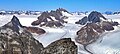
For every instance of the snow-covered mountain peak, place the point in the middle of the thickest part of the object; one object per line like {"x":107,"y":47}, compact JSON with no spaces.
{"x":64,"y":12}
{"x":51,"y":19}
{"x":93,"y":17}
{"x":94,"y":26}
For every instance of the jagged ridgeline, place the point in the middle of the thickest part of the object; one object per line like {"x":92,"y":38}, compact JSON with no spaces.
{"x":17,"y":39}
{"x":93,"y":17}
{"x":52,"y":18}
{"x":93,"y":27}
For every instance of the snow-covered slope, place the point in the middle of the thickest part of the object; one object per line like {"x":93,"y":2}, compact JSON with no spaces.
{"x":110,"y":41}
{"x":107,"y":44}
{"x":66,"y":14}
{"x":5,"y":19}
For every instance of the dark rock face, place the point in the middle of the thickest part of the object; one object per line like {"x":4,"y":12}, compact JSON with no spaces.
{"x":93,"y":17}
{"x":34,"y":23}
{"x":15,"y":39}
{"x":56,"y":14}
{"x":44,"y":15}
{"x":47,"y":20}
{"x":54,"y":17}
{"x":22,"y":41}
{"x":36,"y":30}
{"x":53,"y":23}
{"x":61,"y":9}
{"x":114,"y":23}
{"x":14,"y":24}
{"x":92,"y":31}
{"x":97,"y":27}
{"x":88,"y":34}
{"x":82,"y":21}
{"x":16,"y":21}
{"x":62,"y":46}
{"x":107,"y":26}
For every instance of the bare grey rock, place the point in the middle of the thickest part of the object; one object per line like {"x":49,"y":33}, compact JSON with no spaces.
{"x":62,"y":46}
{"x":93,"y":17}
{"x":16,"y":39}
{"x":51,"y":18}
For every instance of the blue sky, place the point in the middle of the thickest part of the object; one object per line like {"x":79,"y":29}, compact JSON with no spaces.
{"x":71,"y":5}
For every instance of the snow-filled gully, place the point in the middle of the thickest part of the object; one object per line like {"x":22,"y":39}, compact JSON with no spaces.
{"x":109,"y":41}
{"x":50,"y":37}
{"x":106,"y":43}
{"x":53,"y":34}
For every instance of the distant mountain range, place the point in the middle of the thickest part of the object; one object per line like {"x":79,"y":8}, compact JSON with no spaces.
{"x":21,"y":12}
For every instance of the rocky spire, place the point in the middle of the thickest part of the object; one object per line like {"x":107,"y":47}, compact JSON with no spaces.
{"x":14,"y":24}
{"x":93,"y":17}
{"x":16,"y":21}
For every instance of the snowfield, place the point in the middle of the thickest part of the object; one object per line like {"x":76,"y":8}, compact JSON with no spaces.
{"x":109,"y":43}
{"x":5,"y":19}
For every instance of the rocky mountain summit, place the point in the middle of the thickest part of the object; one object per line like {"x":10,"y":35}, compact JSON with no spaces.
{"x":62,"y":46}
{"x":51,"y":19}
{"x":14,"y":24}
{"x":93,"y":28}
{"x":17,"y":39}
{"x":93,"y":17}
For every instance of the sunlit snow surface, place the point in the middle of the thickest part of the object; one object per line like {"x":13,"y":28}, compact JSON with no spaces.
{"x":109,"y":43}
{"x":4,"y":19}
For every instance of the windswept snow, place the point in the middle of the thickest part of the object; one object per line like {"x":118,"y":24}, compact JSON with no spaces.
{"x":53,"y":18}
{"x":52,"y":35}
{"x":66,"y":14}
{"x":5,"y":19}
{"x":26,"y":20}
{"x":107,"y":44}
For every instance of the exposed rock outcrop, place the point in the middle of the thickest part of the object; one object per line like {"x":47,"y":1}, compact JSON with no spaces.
{"x":107,"y":26}
{"x":51,"y":18}
{"x":61,"y":9}
{"x":62,"y":46}
{"x":93,"y":28}
{"x":93,"y":17}
{"x":82,"y":21}
{"x":53,"y":24}
{"x":89,"y":33}
{"x":35,"y":30}
{"x":14,"y":24}
{"x":15,"y":39}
